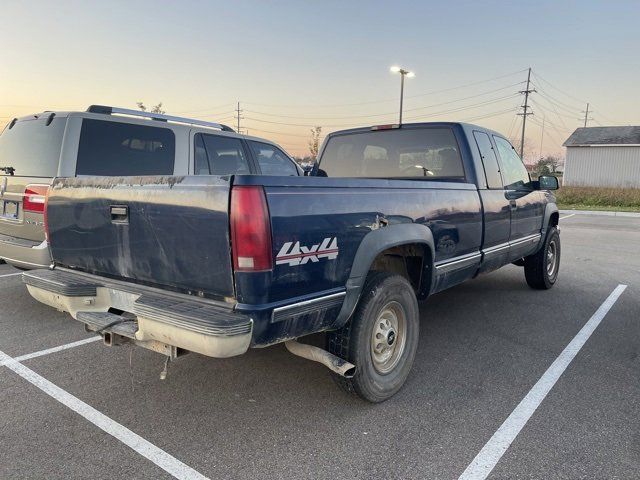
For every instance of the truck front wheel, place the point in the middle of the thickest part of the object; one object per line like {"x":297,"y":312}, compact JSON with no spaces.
{"x":380,"y":339}
{"x":541,"y":268}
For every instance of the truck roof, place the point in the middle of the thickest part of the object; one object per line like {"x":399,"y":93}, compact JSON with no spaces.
{"x":465,"y":126}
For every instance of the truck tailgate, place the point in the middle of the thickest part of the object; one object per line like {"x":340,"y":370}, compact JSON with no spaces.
{"x":170,"y":232}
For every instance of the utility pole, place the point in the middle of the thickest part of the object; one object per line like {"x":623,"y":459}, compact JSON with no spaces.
{"x":238,"y":116}
{"x":525,"y":111}
{"x":542,"y":136}
{"x":586,"y":116}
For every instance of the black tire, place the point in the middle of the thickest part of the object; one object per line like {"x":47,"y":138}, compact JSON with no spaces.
{"x":539,"y":272}
{"x":384,"y":296}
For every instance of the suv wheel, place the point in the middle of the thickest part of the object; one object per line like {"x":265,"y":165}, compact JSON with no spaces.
{"x":380,"y":339}
{"x":541,"y":269}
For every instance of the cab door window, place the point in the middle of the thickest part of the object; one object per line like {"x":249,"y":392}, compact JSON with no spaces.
{"x":514,"y":173}
{"x":272,"y":160}
{"x":489,"y":160}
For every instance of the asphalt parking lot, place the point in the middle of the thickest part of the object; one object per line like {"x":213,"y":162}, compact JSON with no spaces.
{"x":484,"y":346}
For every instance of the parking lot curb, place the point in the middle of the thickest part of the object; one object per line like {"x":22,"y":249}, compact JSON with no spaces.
{"x":603,"y":212}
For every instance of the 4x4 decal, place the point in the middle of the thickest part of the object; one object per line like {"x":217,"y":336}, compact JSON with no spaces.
{"x":296,"y":254}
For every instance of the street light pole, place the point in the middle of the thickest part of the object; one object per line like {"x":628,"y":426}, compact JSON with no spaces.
{"x":401,"y":96}
{"x":403,"y":73}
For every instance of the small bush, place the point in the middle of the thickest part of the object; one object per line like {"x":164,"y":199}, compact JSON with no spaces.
{"x":584,"y":197}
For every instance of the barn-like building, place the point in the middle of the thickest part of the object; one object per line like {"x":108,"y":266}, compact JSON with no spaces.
{"x":603,"y":157}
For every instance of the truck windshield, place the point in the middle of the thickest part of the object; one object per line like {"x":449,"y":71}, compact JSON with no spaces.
{"x":429,"y":153}
{"x":32,"y":147}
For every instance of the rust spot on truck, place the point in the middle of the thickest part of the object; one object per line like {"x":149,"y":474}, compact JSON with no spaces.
{"x":116,"y":182}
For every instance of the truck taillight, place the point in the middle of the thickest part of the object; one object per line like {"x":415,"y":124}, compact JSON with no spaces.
{"x":34,"y":198}
{"x":250,"y":230}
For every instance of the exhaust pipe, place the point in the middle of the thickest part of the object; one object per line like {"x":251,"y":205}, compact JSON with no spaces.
{"x":336,"y":364}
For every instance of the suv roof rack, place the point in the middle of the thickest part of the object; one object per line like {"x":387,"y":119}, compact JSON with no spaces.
{"x":156,"y":116}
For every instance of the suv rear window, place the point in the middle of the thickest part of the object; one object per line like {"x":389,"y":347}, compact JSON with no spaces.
{"x":429,"y":153}
{"x":124,"y":149}
{"x":32,"y":147}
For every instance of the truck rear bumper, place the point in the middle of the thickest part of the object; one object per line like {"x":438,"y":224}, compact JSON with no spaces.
{"x":155,"y":317}
{"x":24,"y":253}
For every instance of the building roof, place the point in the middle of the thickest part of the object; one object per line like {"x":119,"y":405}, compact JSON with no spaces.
{"x":604,"y":136}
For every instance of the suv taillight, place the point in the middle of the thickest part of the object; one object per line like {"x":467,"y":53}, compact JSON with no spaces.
{"x":46,"y":217}
{"x":34,"y":198}
{"x":250,"y":230}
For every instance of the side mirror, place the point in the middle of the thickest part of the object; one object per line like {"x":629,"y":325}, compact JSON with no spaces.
{"x":307,"y":168}
{"x":548,"y":182}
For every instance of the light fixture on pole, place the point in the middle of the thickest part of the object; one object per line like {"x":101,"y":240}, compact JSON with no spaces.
{"x":403,"y":73}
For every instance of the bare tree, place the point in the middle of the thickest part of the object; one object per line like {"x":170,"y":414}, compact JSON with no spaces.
{"x":155,"y":109}
{"x":553,"y":162}
{"x":314,"y":142}
{"x":547,"y":165}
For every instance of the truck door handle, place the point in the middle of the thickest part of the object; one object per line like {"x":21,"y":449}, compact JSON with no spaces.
{"x":513,"y":205}
{"x":119,"y":214}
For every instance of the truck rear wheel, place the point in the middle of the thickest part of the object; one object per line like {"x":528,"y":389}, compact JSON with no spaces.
{"x":380,"y":339}
{"x":541,"y":268}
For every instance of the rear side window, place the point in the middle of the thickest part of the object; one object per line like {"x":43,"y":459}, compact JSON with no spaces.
{"x":429,"y":153}
{"x":513,"y":170}
{"x":32,"y":147}
{"x":272,"y":160}
{"x":489,"y":160}
{"x":219,"y":155}
{"x":123,"y":149}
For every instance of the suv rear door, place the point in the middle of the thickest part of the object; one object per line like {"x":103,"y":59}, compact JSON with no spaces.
{"x":31,"y":147}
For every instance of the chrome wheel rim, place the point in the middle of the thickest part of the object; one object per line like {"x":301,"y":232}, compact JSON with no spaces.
{"x":388,"y":338}
{"x":552,"y":256}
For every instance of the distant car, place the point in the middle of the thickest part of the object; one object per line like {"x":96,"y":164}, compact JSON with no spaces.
{"x":218,"y":264}
{"x":107,"y":141}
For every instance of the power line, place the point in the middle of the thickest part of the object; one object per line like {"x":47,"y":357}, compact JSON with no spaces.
{"x":386,"y":113}
{"x":560,"y":116}
{"x":538,"y":77}
{"x":208,"y":109}
{"x":279,"y":133}
{"x":488,"y":115}
{"x":488,"y":102}
{"x":468,"y":107}
{"x":553,"y":137}
{"x":563,"y":127}
{"x":558,"y":103}
{"x":433,"y":92}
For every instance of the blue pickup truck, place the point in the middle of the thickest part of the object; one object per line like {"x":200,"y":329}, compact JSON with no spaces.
{"x":218,"y":264}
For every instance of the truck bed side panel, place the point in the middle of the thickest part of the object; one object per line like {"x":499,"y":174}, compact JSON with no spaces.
{"x":338,"y":216}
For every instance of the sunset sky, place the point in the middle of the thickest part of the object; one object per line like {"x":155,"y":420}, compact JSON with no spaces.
{"x":294,"y":65}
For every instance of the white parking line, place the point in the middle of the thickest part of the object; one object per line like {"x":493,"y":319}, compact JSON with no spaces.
{"x":486,"y":460}
{"x":134,"y":441}
{"x":11,"y":274}
{"x":59,"y":348}
{"x":567,"y":216}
